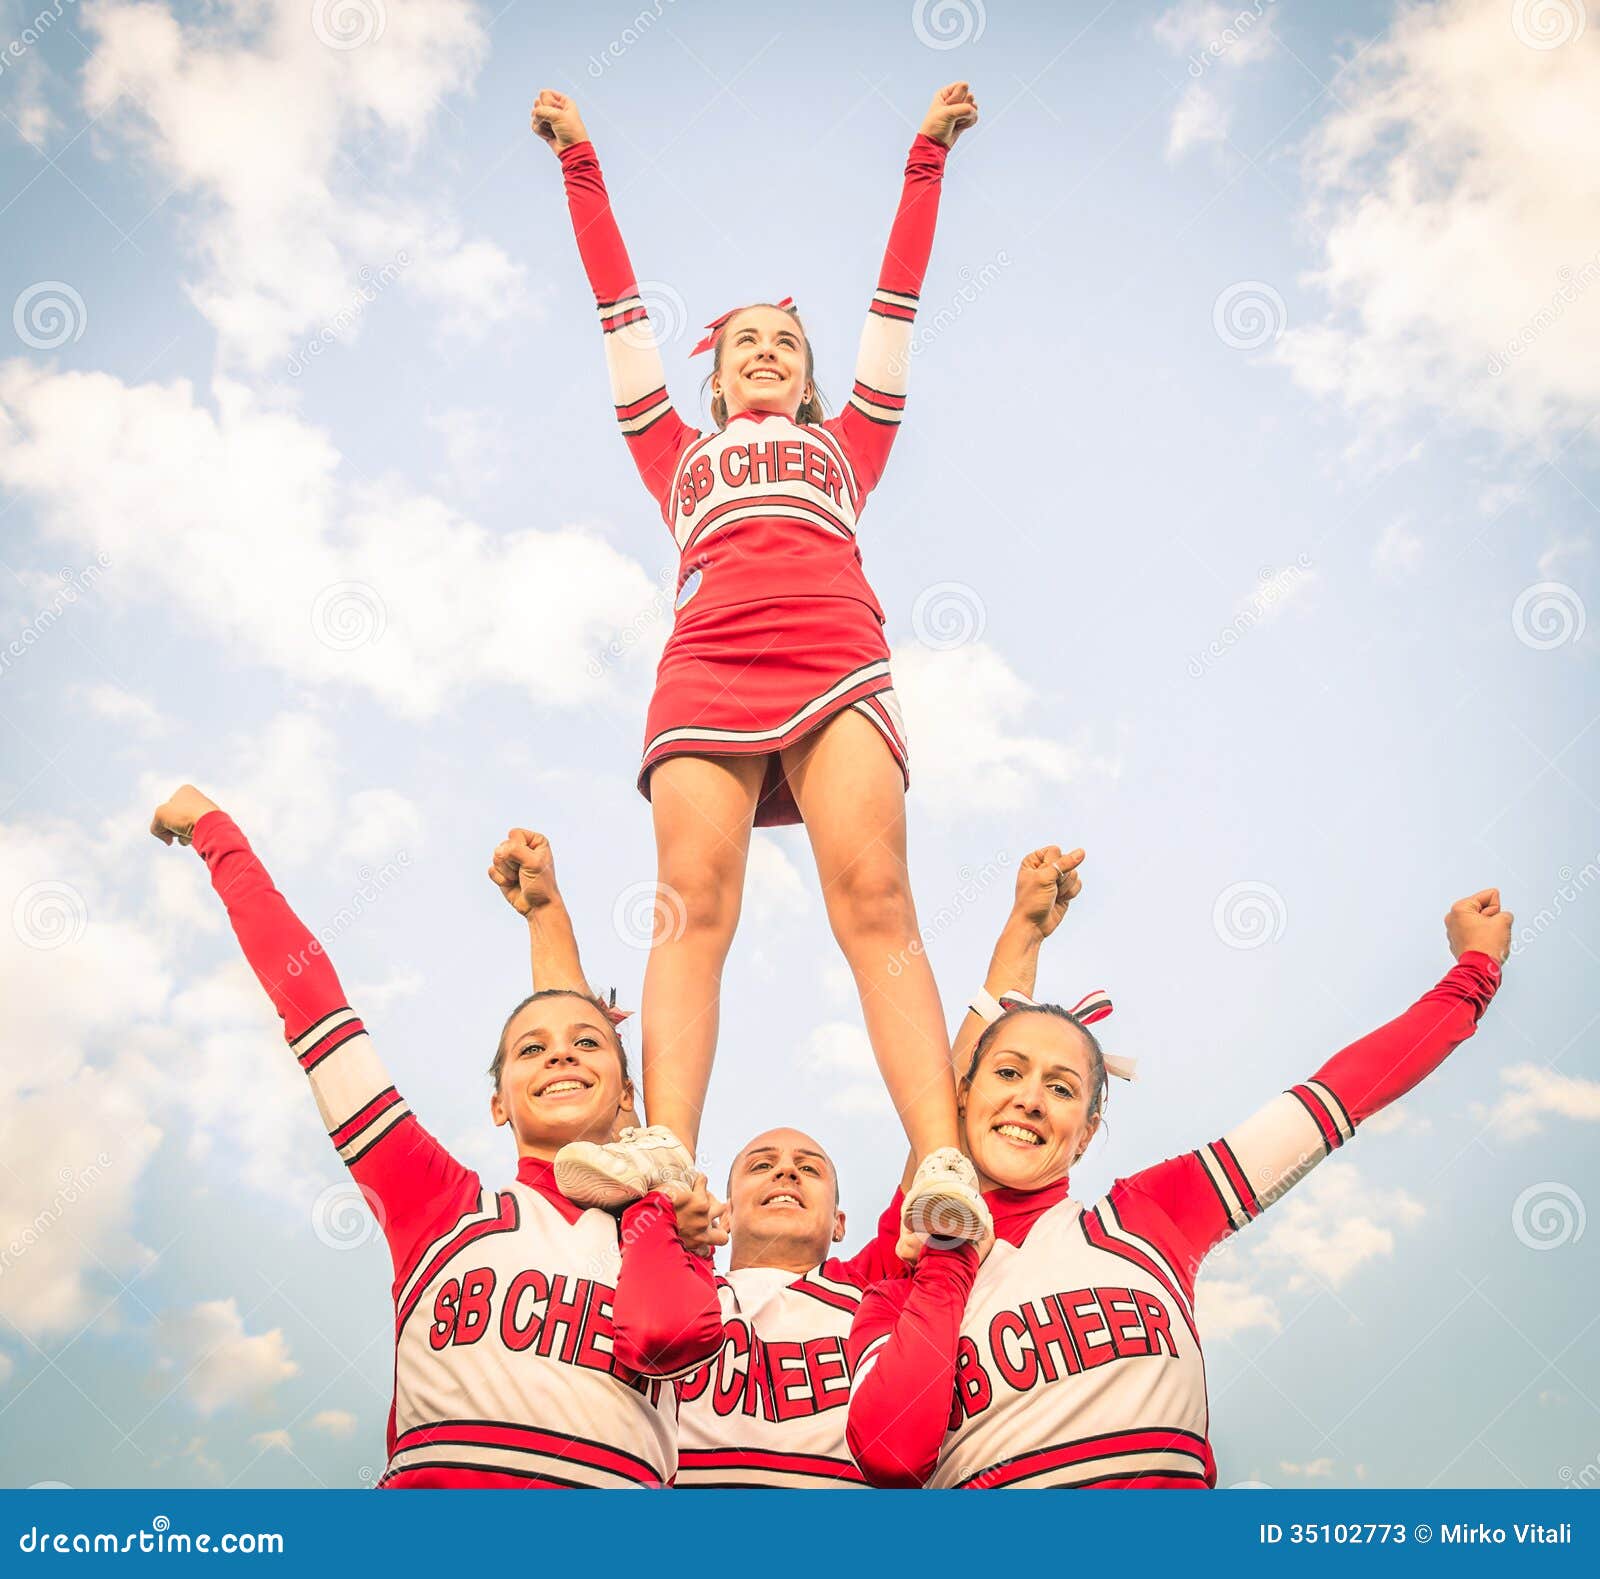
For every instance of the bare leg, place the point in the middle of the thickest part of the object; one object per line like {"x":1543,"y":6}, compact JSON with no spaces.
{"x":703,"y":809}
{"x":851,"y":794}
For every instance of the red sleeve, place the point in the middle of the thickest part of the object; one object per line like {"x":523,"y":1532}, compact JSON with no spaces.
{"x":903,"y":1368}
{"x":867,"y":425}
{"x":1194,"y":1201}
{"x":667,"y":1313}
{"x":411,"y":1182}
{"x":876,"y":1259}
{"x":656,"y":436}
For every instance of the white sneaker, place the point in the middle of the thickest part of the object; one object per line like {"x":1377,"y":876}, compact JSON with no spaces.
{"x":944,"y":1201}
{"x":625,"y":1169}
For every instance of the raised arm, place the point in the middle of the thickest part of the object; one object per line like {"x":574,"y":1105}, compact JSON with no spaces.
{"x":871,"y":418}
{"x":408,"y":1178}
{"x":1188,"y":1204}
{"x":523,"y":868}
{"x":654,"y":432}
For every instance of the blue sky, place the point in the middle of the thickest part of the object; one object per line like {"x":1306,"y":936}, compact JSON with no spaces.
{"x":1241,"y":530}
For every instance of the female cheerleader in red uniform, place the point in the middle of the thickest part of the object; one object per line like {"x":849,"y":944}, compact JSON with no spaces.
{"x":773,"y":701}
{"x":534,"y":1342}
{"x":1065,"y":1352}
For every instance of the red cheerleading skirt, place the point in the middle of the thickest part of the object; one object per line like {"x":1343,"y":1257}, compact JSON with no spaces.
{"x":748,"y":679}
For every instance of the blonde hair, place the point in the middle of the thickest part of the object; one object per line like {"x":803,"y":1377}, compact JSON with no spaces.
{"x":811,"y":411}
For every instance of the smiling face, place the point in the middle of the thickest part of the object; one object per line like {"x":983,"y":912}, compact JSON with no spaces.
{"x":561,"y":1078}
{"x":784,"y":1197}
{"x":762,"y":363}
{"x":1027,"y":1110}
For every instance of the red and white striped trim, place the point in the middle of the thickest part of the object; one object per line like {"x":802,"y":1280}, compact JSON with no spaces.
{"x":733,"y":1467}
{"x":878,"y":406}
{"x":527,"y":1452}
{"x":731,"y":742}
{"x":831,"y":1292}
{"x":643,"y":413}
{"x":901,"y":305}
{"x":368,"y":1125}
{"x":798,"y":506}
{"x":1155,"y":1457}
{"x":882,"y":710}
{"x":619,"y":314}
{"x":487,"y":1215}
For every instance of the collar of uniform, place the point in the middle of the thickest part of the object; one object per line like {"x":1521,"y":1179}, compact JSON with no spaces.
{"x":540,"y":1175}
{"x":1016,"y":1211}
{"x":757,"y":416}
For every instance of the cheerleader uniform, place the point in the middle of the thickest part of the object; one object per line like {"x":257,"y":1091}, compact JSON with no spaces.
{"x":534,"y":1345}
{"x":769,"y":1410}
{"x":1071,"y":1357}
{"x":776,"y":630}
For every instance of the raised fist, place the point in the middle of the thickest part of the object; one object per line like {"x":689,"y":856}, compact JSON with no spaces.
{"x":953,"y":110}
{"x":176,"y":816}
{"x":1477,"y":922}
{"x":556,"y":119}
{"x":524,"y":870}
{"x":1047,"y":882}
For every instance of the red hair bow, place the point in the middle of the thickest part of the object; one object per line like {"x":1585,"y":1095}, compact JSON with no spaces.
{"x":714,"y":327}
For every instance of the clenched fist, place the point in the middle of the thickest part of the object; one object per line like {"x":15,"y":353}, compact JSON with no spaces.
{"x":176,"y":816}
{"x":1477,"y":922}
{"x":953,"y":110}
{"x":524,"y":870}
{"x":556,"y":120}
{"x":1047,"y":882}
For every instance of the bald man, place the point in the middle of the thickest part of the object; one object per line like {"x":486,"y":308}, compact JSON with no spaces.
{"x":769,"y":1409}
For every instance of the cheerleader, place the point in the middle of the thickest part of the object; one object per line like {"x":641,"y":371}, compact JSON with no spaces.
{"x":534,"y":1343}
{"x":773,"y":700}
{"x":1064,"y":1351}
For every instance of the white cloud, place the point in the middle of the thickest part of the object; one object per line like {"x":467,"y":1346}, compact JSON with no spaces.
{"x":268,"y":1441}
{"x":296,"y":159}
{"x":28,"y":107}
{"x":1316,"y":1469}
{"x":839,"y":1055}
{"x":1554,"y":560}
{"x":773,"y":885}
{"x":335,"y":1422}
{"x":380,"y":825}
{"x":1333,"y":1224}
{"x":1396,"y":1119}
{"x":1227,"y":1306}
{"x":962,"y":709}
{"x":1536,"y":1094}
{"x":220,"y":1364}
{"x":1399,"y":550}
{"x":1217,"y":40}
{"x":1459,"y":226}
{"x":140,"y":715}
{"x":369,"y":586}
{"x":475,"y":445}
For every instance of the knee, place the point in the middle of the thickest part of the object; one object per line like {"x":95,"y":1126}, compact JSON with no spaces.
{"x":700,"y":900}
{"x":871,"y":903}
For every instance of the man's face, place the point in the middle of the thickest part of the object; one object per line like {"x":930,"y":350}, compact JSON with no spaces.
{"x":784,"y":1197}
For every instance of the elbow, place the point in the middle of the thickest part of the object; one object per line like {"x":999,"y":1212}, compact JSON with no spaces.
{"x":660,"y":1354}
{"x":885,"y":1463}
